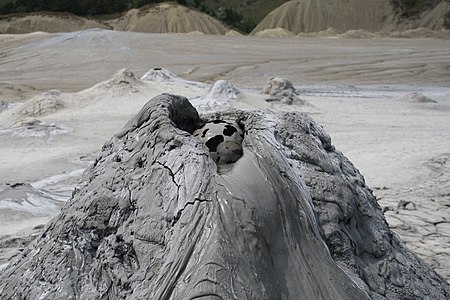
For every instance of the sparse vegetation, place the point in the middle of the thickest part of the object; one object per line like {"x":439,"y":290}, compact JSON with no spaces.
{"x":79,"y":7}
{"x":242,"y":15}
{"x":409,"y":8}
{"x":238,"y":14}
{"x":251,"y":11}
{"x":447,"y":21}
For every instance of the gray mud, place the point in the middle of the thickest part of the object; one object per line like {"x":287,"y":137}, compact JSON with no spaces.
{"x":153,"y":219}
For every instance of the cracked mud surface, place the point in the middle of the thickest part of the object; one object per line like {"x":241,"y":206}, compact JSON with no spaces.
{"x":423,"y":220}
{"x":153,"y":219}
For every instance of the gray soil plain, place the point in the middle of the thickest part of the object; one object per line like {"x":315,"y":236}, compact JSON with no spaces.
{"x":385,"y":104}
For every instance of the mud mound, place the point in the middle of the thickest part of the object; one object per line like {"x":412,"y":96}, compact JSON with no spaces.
{"x":160,"y":75}
{"x":46,"y":22}
{"x":416,"y":97}
{"x":123,"y":81}
{"x":42,"y":104}
{"x":124,"y":76}
{"x":218,"y":97}
{"x":316,"y":15}
{"x":168,"y":18}
{"x":164,"y":75}
{"x":223,"y":89}
{"x":281,"y":90}
{"x":154,"y":220}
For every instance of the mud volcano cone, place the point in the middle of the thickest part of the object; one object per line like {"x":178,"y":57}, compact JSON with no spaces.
{"x":157,"y":218}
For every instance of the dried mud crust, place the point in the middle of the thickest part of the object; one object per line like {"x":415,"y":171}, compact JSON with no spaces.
{"x":153,"y":219}
{"x":423,"y":220}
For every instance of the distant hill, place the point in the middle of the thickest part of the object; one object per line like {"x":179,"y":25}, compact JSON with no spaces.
{"x":167,"y":17}
{"x":300,"y":16}
{"x":47,"y":22}
{"x":157,"y":18}
{"x":246,"y":14}
{"x":315,"y":15}
{"x":243,"y":15}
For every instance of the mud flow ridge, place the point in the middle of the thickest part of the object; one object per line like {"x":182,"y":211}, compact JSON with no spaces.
{"x":153,"y":219}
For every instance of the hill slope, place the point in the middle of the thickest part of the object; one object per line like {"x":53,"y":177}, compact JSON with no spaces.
{"x":433,"y":17}
{"x":372,"y":15}
{"x":245,"y":15}
{"x":315,"y":15}
{"x":48,"y":22}
{"x":251,"y":12}
{"x":160,"y":18}
{"x":167,"y":17}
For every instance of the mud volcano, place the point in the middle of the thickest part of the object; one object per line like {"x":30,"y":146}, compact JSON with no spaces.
{"x":290,"y":219}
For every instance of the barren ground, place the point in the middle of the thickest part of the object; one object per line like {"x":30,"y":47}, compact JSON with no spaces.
{"x":353,"y":85}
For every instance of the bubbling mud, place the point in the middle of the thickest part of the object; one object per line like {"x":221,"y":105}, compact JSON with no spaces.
{"x":223,"y":139}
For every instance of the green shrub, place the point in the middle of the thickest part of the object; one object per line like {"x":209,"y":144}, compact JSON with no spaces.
{"x":447,"y":21}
